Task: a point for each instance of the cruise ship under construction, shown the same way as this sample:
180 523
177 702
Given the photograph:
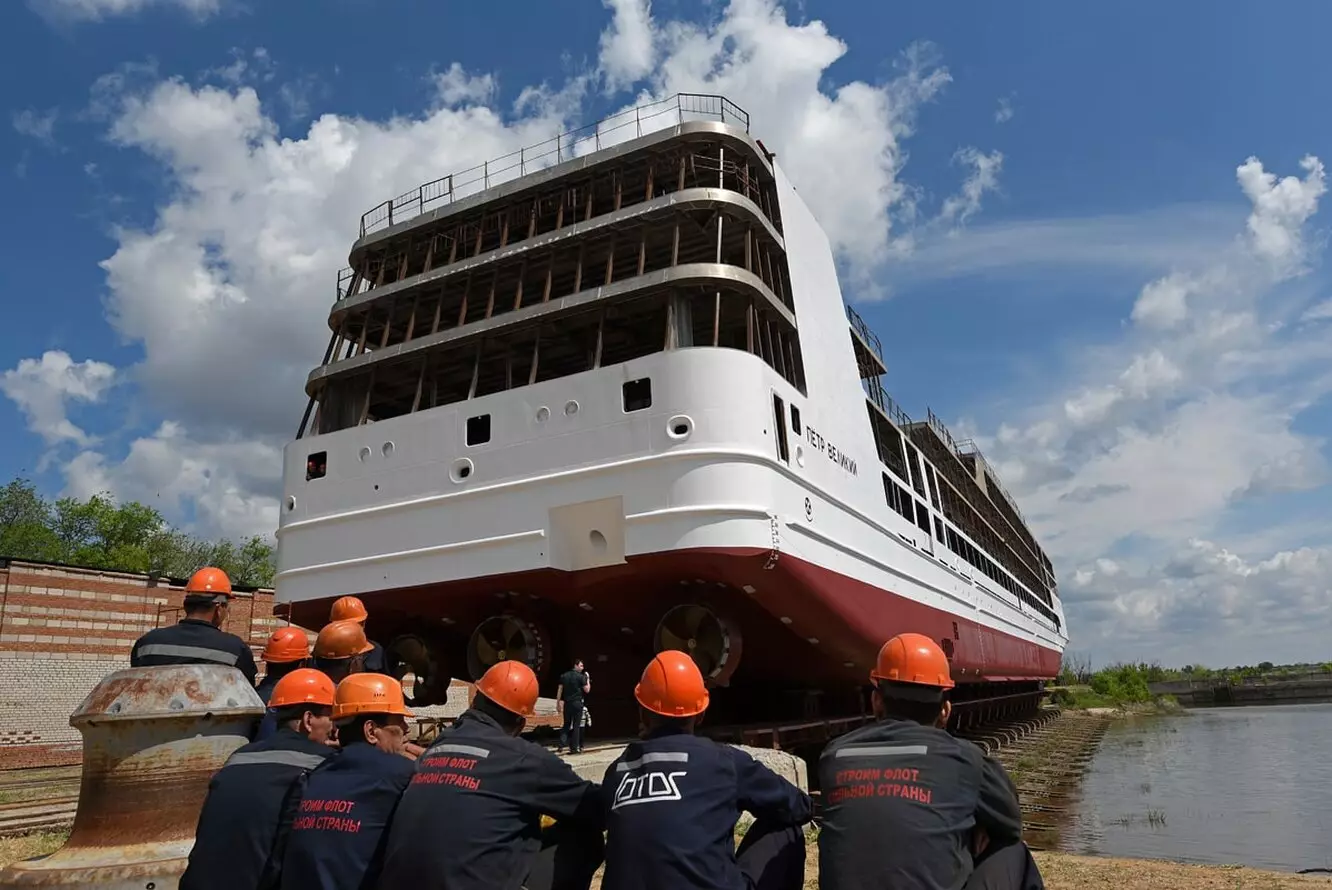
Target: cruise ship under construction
603 397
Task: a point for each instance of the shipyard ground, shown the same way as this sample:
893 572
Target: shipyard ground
1046 758
1061 871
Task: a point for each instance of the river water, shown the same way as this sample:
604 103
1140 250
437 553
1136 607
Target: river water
1251 786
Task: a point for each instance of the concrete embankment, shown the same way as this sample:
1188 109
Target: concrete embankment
1309 689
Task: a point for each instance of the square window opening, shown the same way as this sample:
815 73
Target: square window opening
478 429
637 394
795 420
316 465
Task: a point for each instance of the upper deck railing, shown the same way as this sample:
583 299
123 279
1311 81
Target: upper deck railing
969 448
866 334
606 132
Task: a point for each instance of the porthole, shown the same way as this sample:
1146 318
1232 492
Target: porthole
461 470
680 427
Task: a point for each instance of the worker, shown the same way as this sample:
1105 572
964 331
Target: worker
350 608
574 684
340 649
674 797
471 817
198 638
906 804
240 837
336 837
288 649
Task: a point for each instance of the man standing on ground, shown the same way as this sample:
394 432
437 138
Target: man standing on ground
907 804
574 684
197 638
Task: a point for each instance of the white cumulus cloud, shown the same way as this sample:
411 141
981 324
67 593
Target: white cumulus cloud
984 177
1280 209
227 289
95 10
1163 437
43 388
627 45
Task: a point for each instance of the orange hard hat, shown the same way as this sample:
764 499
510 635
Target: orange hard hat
348 608
341 639
672 686
287 644
512 685
369 694
209 580
913 658
302 686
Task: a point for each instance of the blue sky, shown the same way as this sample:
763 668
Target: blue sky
1049 215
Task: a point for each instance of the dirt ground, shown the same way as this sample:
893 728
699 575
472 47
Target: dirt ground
1064 872
12 849
1061 871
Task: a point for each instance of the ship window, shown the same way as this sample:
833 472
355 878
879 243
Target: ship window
795 420
923 517
478 429
779 415
316 465
938 529
637 394
934 485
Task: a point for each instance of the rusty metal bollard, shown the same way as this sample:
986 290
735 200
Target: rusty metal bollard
152 739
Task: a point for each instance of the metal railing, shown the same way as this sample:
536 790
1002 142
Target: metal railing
879 396
617 128
859 326
969 448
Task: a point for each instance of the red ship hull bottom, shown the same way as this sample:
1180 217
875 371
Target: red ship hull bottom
809 634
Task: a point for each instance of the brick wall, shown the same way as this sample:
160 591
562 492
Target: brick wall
63 628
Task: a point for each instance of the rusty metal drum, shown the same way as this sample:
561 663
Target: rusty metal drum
152 739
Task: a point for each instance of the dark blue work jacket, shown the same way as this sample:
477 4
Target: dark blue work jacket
376 660
471 817
901 804
673 800
191 641
337 838
268 725
240 836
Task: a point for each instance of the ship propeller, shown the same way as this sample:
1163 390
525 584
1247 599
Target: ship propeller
505 637
421 658
708 638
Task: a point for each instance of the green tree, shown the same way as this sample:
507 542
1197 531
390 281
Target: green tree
129 537
25 522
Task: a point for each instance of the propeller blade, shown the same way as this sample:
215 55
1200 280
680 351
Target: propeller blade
485 650
696 616
670 641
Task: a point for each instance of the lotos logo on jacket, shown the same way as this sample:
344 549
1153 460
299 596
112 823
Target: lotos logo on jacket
649 785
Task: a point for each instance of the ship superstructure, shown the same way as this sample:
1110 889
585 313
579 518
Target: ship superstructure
603 397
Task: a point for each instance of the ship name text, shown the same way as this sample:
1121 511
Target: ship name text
835 454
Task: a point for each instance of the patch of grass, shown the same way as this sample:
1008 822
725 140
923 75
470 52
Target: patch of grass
30 846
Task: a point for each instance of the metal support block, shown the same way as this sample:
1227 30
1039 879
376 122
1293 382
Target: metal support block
152 739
